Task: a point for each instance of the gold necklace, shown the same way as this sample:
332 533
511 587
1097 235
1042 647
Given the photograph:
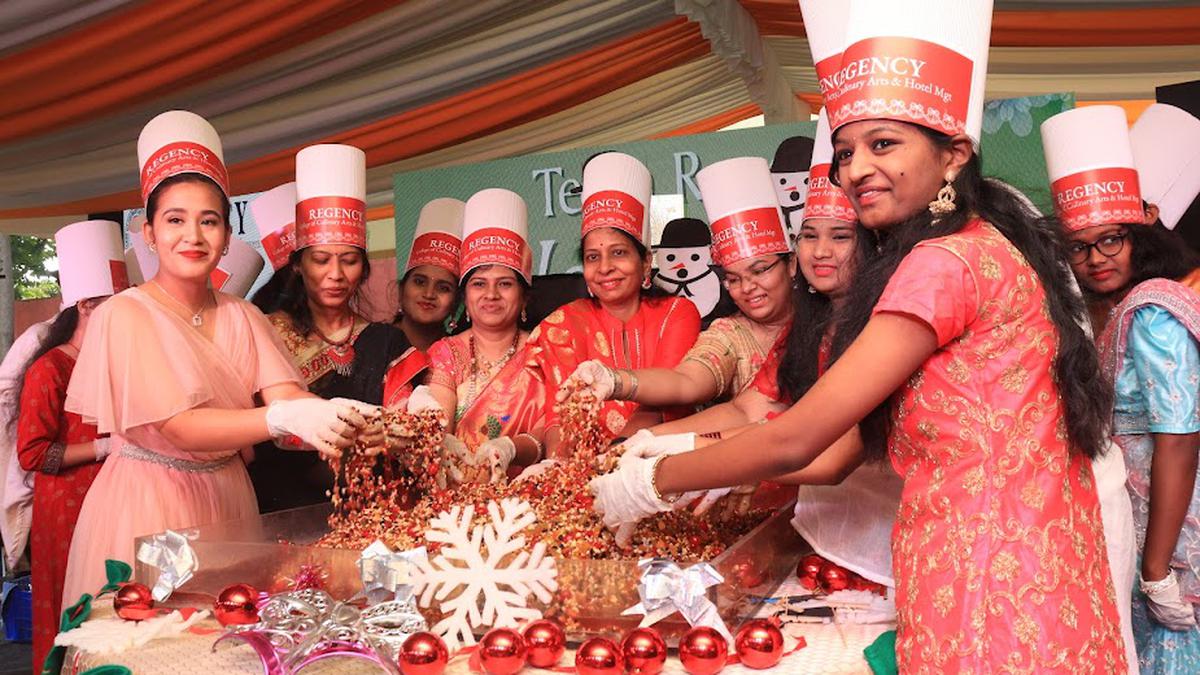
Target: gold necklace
493 368
197 316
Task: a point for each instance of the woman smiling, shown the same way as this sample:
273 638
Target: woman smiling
620 325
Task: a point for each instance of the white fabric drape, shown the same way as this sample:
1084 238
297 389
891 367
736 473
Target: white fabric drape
734 37
1092 73
414 54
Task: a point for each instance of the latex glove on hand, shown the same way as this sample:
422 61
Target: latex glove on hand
534 470
739 503
373 436
324 425
593 375
498 453
645 445
1166 604
458 457
422 400
626 496
103 447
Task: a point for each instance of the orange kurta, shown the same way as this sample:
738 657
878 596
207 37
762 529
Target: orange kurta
998 548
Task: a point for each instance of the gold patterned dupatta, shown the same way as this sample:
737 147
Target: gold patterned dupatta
314 357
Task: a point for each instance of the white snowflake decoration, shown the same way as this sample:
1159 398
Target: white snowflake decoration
495 584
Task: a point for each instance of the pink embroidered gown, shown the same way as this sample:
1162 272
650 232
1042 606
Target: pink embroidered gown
998 548
141 365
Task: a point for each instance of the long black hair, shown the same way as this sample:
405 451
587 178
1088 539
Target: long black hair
60 332
812 315
1087 397
285 291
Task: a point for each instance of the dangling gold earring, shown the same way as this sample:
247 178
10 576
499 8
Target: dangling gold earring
944 205
524 316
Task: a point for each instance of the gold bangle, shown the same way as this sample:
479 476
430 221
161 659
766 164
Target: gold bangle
633 386
654 481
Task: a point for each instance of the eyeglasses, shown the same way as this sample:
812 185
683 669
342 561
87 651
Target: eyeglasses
1108 246
731 281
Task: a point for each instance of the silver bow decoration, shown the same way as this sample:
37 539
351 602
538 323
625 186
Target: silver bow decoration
171 554
665 588
388 575
307 625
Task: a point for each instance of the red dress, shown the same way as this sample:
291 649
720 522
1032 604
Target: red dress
43 430
998 548
657 336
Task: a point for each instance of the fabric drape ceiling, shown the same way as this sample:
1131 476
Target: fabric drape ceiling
421 83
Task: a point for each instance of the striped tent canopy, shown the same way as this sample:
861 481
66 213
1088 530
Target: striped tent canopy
423 83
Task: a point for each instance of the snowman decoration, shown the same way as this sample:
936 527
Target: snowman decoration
684 264
789 172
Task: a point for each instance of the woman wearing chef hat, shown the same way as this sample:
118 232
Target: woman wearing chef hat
479 375
751 246
1147 328
621 325
170 369
339 352
429 286
58 447
959 353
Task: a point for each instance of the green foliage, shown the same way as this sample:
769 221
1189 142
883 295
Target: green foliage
31 279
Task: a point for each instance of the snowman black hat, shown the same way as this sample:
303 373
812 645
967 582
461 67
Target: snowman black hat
685 233
793 154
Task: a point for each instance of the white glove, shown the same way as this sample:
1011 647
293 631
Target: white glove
498 453
460 456
534 470
711 497
1166 605
325 425
595 376
626 496
648 446
639 440
103 447
421 400
372 435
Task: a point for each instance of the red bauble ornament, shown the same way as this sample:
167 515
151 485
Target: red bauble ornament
599 656
834 578
423 654
133 602
644 651
809 570
236 605
703 651
747 573
545 643
759 644
502 651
